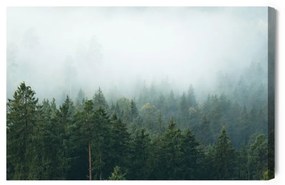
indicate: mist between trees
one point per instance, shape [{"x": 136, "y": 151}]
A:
[
  {"x": 153, "y": 136},
  {"x": 57, "y": 50},
  {"x": 138, "y": 93}
]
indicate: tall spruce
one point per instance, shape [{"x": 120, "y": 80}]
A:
[
  {"x": 21, "y": 131},
  {"x": 170, "y": 153},
  {"x": 191, "y": 156},
  {"x": 119, "y": 143},
  {"x": 225, "y": 156},
  {"x": 139, "y": 156},
  {"x": 100, "y": 101}
]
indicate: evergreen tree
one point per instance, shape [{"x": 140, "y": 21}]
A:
[
  {"x": 170, "y": 159},
  {"x": 134, "y": 110},
  {"x": 171, "y": 105},
  {"x": 82, "y": 131},
  {"x": 65, "y": 118},
  {"x": 191, "y": 156},
  {"x": 184, "y": 110},
  {"x": 66, "y": 113},
  {"x": 224, "y": 157},
  {"x": 160, "y": 123},
  {"x": 242, "y": 162},
  {"x": 80, "y": 99},
  {"x": 21, "y": 131},
  {"x": 82, "y": 141},
  {"x": 191, "y": 98},
  {"x": 208, "y": 170},
  {"x": 243, "y": 130},
  {"x": 88, "y": 128},
  {"x": 139, "y": 156},
  {"x": 49, "y": 164},
  {"x": 120, "y": 143},
  {"x": 100, "y": 101},
  {"x": 102, "y": 146},
  {"x": 124, "y": 110},
  {"x": 203, "y": 129},
  {"x": 117, "y": 174},
  {"x": 150, "y": 114},
  {"x": 258, "y": 158}
]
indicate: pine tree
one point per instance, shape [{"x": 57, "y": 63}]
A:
[
  {"x": 171, "y": 105},
  {"x": 258, "y": 158},
  {"x": 208, "y": 170},
  {"x": 191, "y": 156},
  {"x": 119, "y": 143},
  {"x": 170, "y": 158},
  {"x": 243, "y": 130},
  {"x": 84, "y": 142},
  {"x": 224, "y": 157},
  {"x": 134, "y": 110},
  {"x": 65, "y": 119},
  {"x": 88, "y": 129},
  {"x": 100, "y": 101},
  {"x": 191, "y": 99},
  {"x": 203, "y": 129},
  {"x": 117, "y": 174},
  {"x": 21, "y": 129},
  {"x": 80, "y": 99},
  {"x": 102, "y": 146},
  {"x": 150, "y": 114},
  {"x": 139, "y": 156},
  {"x": 184, "y": 113},
  {"x": 81, "y": 133},
  {"x": 50, "y": 156}
]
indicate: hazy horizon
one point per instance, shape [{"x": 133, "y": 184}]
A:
[{"x": 61, "y": 50}]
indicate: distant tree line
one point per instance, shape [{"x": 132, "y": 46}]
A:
[{"x": 152, "y": 137}]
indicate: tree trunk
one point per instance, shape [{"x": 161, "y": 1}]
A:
[{"x": 90, "y": 162}]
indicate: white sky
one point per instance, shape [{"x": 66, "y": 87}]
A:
[{"x": 90, "y": 47}]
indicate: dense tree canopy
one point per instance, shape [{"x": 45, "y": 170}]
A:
[{"x": 167, "y": 136}]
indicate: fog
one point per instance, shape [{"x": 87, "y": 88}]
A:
[{"x": 60, "y": 50}]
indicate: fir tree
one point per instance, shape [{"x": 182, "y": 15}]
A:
[{"x": 21, "y": 131}]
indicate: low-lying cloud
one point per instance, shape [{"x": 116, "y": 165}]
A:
[{"x": 60, "y": 50}]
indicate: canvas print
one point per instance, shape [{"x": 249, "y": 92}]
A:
[{"x": 140, "y": 93}]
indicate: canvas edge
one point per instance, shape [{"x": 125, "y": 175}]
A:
[{"x": 271, "y": 90}]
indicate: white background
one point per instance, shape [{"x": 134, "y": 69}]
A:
[{"x": 279, "y": 126}]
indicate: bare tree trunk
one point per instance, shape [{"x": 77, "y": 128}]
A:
[{"x": 90, "y": 162}]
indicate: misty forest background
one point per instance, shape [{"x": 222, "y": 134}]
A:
[
  {"x": 193, "y": 108},
  {"x": 157, "y": 135}
]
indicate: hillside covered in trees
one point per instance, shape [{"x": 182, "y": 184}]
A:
[
  {"x": 139, "y": 93},
  {"x": 151, "y": 137}
]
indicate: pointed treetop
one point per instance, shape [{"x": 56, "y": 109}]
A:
[{"x": 99, "y": 100}]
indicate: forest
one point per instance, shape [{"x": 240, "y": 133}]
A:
[
  {"x": 139, "y": 93},
  {"x": 156, "y": 136}
]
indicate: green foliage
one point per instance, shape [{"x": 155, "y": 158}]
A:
[
  {"x": 120, "y": 142},
  {"x": 170, "y": 153},
  {"x": 134, "y": 110},
  {"x": 192, "y": 156},
  {"x": 21, "y": 132},
  {"x": 224, "y": 155},
  {"x": 101, "y": 145},
  {"x": 117, "y": 174},
  {"x": 140, "y": 151},
  {"x": 49, "y": 144},
  {"x": 258, "y": 157},
  {"x": 204, "y": 128},
  {"x": 80, "y": 99},
  {"x": 100, "y": 101},
  {"x": 150, "y": 114},
  {"x": 164, "y": 136},
  {"x": 191, "y": 98}
]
